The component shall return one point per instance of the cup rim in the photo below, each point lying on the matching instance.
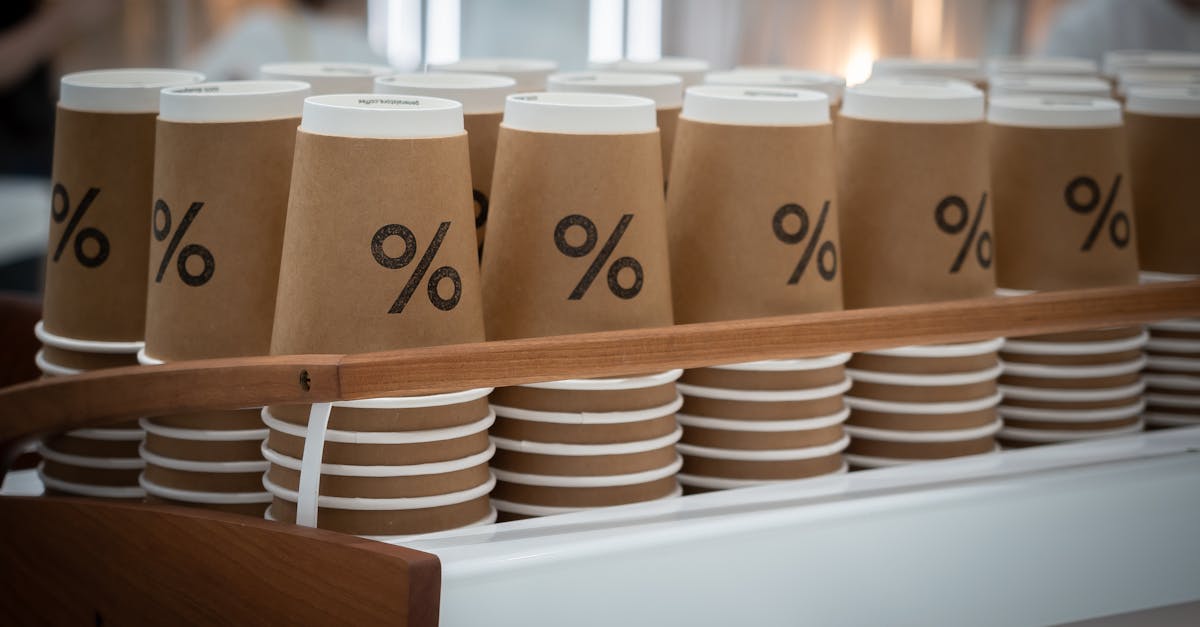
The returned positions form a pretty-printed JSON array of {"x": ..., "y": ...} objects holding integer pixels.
[
  {"x": 588, "y": 450},
  {"x": 590, "y": 481},
  {"x": 198, "y": 496},
  {"x": 382, "y": 437},
  {"x": 1074, "y": 415},
  {"x": 727, "y": 483},
  {"x": 120, "y": 90},
  {"x": 375, "y": 504},
  {"x": 1040, "y": 435},
  {"x": 929, "y": 436},
  {"x": 191, "y": 465},
  {"x": 87, "y": 461},
  {"x": 376, "y": 470},
  {"x": 937, "y": 408},
  {"x": 766, "y": 396},
  {"x": 86, "y": 489},
  {"x": 764, "y": 426},
  {"x": 770, "y": 455},
  {"x": 589, "y": 418},
  {"x": 82, "y": 345},
  {"x": 525, "y": 509}
]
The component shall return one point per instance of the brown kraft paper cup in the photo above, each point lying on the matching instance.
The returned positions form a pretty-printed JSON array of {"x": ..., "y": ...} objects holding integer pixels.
[
  {"x": 761, "y": 440},
  {"x": 583, "y": 465},
  {"x": 921, "y": 422},
  {"x": 922, "y": 393},
  {"x": 1071, "y": 405},
  {"x": 923, "y": 365},
  {"x": 246, "y": 509},
  {"x": 1097, "y": 359},
  {"x": 402, "y": 419},
  {"x": 1089, "y": 335},
  {"x": 87, "y": 361},
  {"x": 103, "y": 174},
  {"x": 920, "y": 450},
  {"x": 383, "y": 454},
  {"x": 551, "y": 496},
  {"x": 1162, "y": 156},
  {"x": 547, "y": 184},
  {"x": 765, "y": 471},
  {"x": 548, "y": 399},
  {"x": 204, "y": 451},
  {"x": 85, "y": 447},
  {"x": 1071, "y": 383},
  {"x": 204, "y": 481},
  {"x": 764, "y": 379},
  {"x": 237, "y": 175},
  {"x": 1051, "y": 186},
  {"x": 744, "y": 203},
  {"x": 221, "y": 420},
  {"x": 482, "y": 131},
  {"x": 1098, "y": 425},
  {"x": 893, "y": 177},
  {"x": 558, "y": 433},
  {"x": 386, "y": 487},
  {"x": 761, "y": 410},
  {"x": 91, "y": 476},
  {"x": 395, "y": 522}
]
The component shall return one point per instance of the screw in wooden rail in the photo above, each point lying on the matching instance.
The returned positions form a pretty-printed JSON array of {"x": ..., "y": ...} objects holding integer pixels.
[{"x": 305, "y": 381}]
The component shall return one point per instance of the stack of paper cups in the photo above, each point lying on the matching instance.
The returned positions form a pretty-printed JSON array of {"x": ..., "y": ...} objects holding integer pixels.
[
  {"x": 1027, "y": 66},
  {"x": 95, "y": 296},
  {"x": 1117, "y": 62},
  {"x": 832, "y": 85},
  {"x": 578, "y": 243},
  {"x": 400, "y": 270},
  {"x": 754, "y": 232},
  {"x": 666, "y": 90},
  {"x": 916, "y": 228},
  {"x": 482, "y": 98},
  {"x": 968, "y": 70},
  {"x": 222, "y": 170},
  {"x": 690, "y": 71},
  {"x": 530, "y": 74},
  {"x": 328, "y": 78},
  {"x": 1064, "y": 220},
  {"x": 1080, "y": 86},
  {"x": 1164, "y": 125},
  {"x": 1136, "y": 78}
]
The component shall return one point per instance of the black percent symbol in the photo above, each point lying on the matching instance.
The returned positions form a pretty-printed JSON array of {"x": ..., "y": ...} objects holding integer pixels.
[
  {"x": 826, "y": 254},
  {"x": 952, "y": 215},
  {"x": 60, "y": 206},
  {"x": 163, "y": 212},
  {"x": 406, "y": 257},
  {"x": 606, "y": 251},
  {"x": 1118, "y": 224}
]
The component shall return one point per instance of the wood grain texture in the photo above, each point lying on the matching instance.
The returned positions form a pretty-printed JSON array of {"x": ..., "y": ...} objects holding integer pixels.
[
  {"x": 107, "y": 396},
  {"x": 89, "y": 562}
]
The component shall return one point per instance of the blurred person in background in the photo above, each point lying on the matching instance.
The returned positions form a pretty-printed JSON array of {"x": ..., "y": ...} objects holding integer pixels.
[
  {"x": 303, "y": 30},
  {"x": 1089, "y": 28}
]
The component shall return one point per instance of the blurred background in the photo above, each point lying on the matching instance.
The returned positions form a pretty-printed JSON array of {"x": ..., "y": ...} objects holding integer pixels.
[{"x": 42, "y": 39}]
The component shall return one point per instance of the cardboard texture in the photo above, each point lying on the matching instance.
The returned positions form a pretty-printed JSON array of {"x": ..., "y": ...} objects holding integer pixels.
[
  {"x": 386, "y": 487},
  {"x": 99, "y": 225},
  {"x": 91, "y": 476},
  {"x": 923, "y": 393},
  {"x": 922, "y": 422},
  {"x": 921, "y": 450},
  {"x": 761, "y": 440},
  {"x": 1072, "y": 383},
  {"x": 1063, "y": 208},
  {"x": 923, "y": 365},
  {"x": 204, "y": 481},
  {"x": 482, "y": 131},
  {"x": 92, "y": 448},
  {"x": 201, "y": 451},
  {"x": 1073, "y": 360},
  {"x": 764, "y": 379},
  {"x": 1090, "y": 335},
  {"x": 892, "y": 180},
  {"x": 543, "y": 399},
  {"x": 415, "y": 419},
  {"x": 384, "y": 454},
  {"x": 558, "y": 433},
  {"x": 246, "y": 509},
  {"x": 668, "y": 122},
  {"x": 387, "y": 523},
  {"x": 87, "y": 361},
  {"x": 753, "y": 220},
  {"x": 212, "y": 277},
  {"x": 1071, "y": 405},
  {"x": 1162, "y": 156},
  {"x": 1098, "y": 425},
  {"x": 766, "y": 471},
  {"x": 583, "y": 465},
  {"x": 379, "y": 251},
  {"x": 584, "y": 497},
  {"x": 760, "y": 410},
  {"x": 542, "y": 272},
  {"x": 227, "y": 420}
]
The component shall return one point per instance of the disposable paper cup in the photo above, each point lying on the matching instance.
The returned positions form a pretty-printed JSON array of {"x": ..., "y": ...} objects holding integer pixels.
[
  {"x": 87, "y": 461},
  {"x": 764, "y": 471},
  {"x": 942, "y": 351},
  {"x": 405, "y": 413},
  {"x": 87, "y": 447},
  {"x": 923, "y": 394},
  {"x": 593, "y": 481},
  {"x": 131, "y": 90},
  {"x": 233, "y": 101},
  {"x": 918, "y": 450},
  {"x": 204, "y": 451},
  {"x": 1186, "y": 365},
  {"x": 871, "y": 461},
  {"x": 1073, "y": 372},
  {"x": 53, "y": 361},
  {"x": 831, "y": 85},
  {"x": 202, "y": 497},
  {"x": 589, "y": 418},
  {"x": 576, "y": 112},
  {"x": 1073, "y": 415},
  {"x": 1040, "y": 436},
  {"x": 1076, "y": 348},
  {"x": 553, "y": 496},
  {"x": 969, "y": 70},
  {"x": 527, "y": 510},
  {"x": 1099, "y": 359},
  {"x": 765, "y": 396},
  {"x": 488, "y": 519},
  {"x": 530, "y": 74},
  {"x": 1164, "y": 419},
  {"x": 1163, "y": 345},
  {"x": 585, "y": 433},
  {"x": 381, "y": 116},
  {"x": 737, "y": 439},
  {"x": 1173, "y": 401},
  {"x": 762, "y": 411},
  {"x": 755, "y": 106},
  {"x": 202, "y": 480},
  {"x": 478, "y": 93},
  {"x": 763, "y": 426},
  {"x": 764, "y": 379},
  {"x": 666, "y": 90},
  {"x": 206, "y": 435},
  {"x": 588, "y": 450},
  {"x": 70, "y": 473},
  {"x": 386, "y": 504},
  {"x": 1054, "y": 111},
  {"x": 86, "y": 346},
  {"x": 691, "y": 71},
  {"x": 951, "y": 435},
  {"x": 382, "y": 437},
  {"x": 1071, "y": 394},
  {"x": 1038, "y": 66},
  {"x": 328, "y": 78},
  {"x": 1000, "y": 87},
  {"x": 896, "y": 421},
  {"x": 775, "y": 455},
  {"x": 724, "y": 483},
  {"x": 382, "y": 470},
  {"x": 188, "y": 465},
  {"x": 1182, "y": 382},
  {"x": 914, "y": 100},
  {"x": 895, "y": 407},
  {"x": 924, "y": 380},
  {"x": 96, "y": 491}
]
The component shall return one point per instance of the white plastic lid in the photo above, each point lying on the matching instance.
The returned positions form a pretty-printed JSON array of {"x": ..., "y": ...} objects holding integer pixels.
[
  {"x": 381, "y": 116},
  {"x": 690, "y": 70},
  {"x": 755, "y": 106},
  {"x": 831, "y": 85},
  {"x": 233, "y": 101},
  {"x": 970, "y": 70},
  {"x": 914, "y": 100},
  {"x": 328, "y": 78},
  {"x": 1054, "y": 112},
  {"x": 1057, "y": 66},
  {"x": 1164, "y": 101},
  {"x": 1116, "y": 61},
  {"x": 666, "y": 90},
  {"x": 133, "y": 90},
  {"x": 1004, "y": 86},
  {"x": 530, "y": 74},
  {"x": 478, "y": 93},
  {"x": 580, "y": 112},
  {"x": 1129, "y": 79}
]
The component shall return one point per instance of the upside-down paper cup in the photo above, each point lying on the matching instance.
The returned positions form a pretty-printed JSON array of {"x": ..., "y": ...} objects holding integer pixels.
[
  {"x": 577, "y": 238},
  {"x": 102, "y": 180},
  {"x": 754, "y": 165},
  {"x": 223, "y": 161},
  {"x": 916, "y": 216},
  {"x": 482, "y": 97},
  {"x": 328, "y": 78},
  {"x": 1062, "y": 86},
  {"x": 530, "y": 74}
]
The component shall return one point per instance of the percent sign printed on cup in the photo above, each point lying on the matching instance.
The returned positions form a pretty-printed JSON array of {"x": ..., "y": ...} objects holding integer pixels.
[
  {"x": 1118, "y": 224},
  {"x": 406, "y": 257},
  {"x": 981, "y": 240},
  {"x": 60, "y": 207},
  {"x": 191, "y": 250},
  {"x": 589, "y": 244},
  {"x": 827, "y": 255}
]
